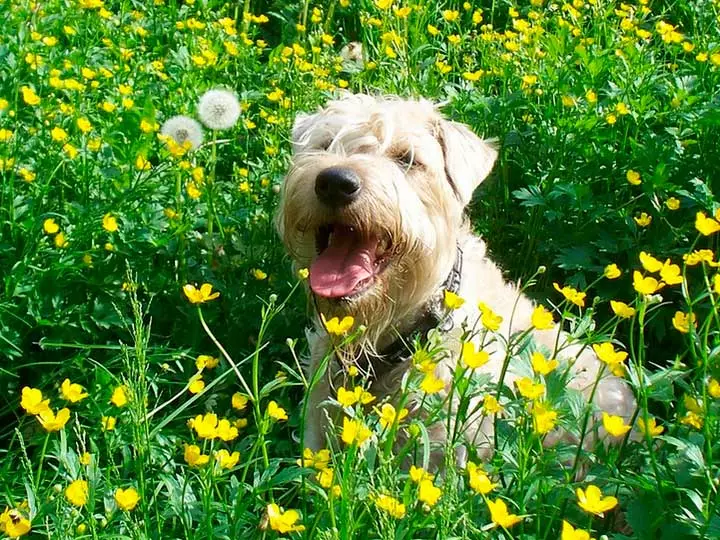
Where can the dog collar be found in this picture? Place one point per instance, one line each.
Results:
(435, 316)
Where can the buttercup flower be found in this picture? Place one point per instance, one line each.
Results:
(205, 361)
(646, 285)
(276, 412)
(388, 415)
(201, 295)
(13, 523)
(32, 401)
(72, 392)
(219, 109)
(612, 271)
(706, 225)
(127, 499)
(541, 365)
(428, 493)
(418, 474)
(544, 418)
(615, 425)
(182, 130)
(528, 389)
(109, 223)
(651, 429)
(682, 321)
(431, 384)
(354, 431)
(571, 295)
(119, 396)
(319, 460)
(226, 460)
(488, 318)
(633, 177)
(452, 300)
(390, 505)
(338, 327)
(50, 226)
(621, 309)
(54, 422)
(472, 358)
(541, 318)
(571, 533)
(194, 456)
(592, 501)
(479, 480)
(239, 401)
(499, 514)
(491, 405)
(283, 522)
(77, 492)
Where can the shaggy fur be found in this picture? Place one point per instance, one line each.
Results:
(418, 173)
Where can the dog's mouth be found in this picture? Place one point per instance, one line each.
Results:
(348, 260)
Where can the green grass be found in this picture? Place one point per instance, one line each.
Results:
(578, 95)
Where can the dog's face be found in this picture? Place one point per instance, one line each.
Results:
(374, 201)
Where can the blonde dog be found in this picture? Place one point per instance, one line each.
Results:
(374, 205)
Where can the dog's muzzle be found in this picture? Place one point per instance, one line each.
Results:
(337, 186)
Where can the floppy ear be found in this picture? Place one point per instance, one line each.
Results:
(468, 158)
(300, 130)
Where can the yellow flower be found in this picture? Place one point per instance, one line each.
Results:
(5, 135)
(418, 474)
(108, 423)
(276, 412)
(205, 361)
(541, 318)
(528, 389)
(29, 96)
(283, 522)
(428, 493)
(126, 499)
(670, 273)
(52, 422)
(452, 300)
(672, 203)
(325, 477)
(72, 392)
(633, 177)
(698, 256)
(646, 285)
(491, 405)
(621, 309)
(109, 223)
(60, 241)
(612, 271)
(337, 327)
(432, 30)
(431, 384)
(13, 523)
(77, 492)
(85, 458)
(716, 283)
(196, 384)
(58, 134)
(651, 429)
(714, 388)
(239, 401)
(258, 274)
(119, 397)
(194, 456)
(544, 418)
(542, 365)
(50, 226)
(622, 109)
(706, 225)
(607, 353)
(388, 415)
(499, 514)
(570, 533)
(142, 164)
(226, 460)
(84, 125)
(643, 220)
(32, 401)
(611, 119)
(319, 460)
(591, 500)
(692, 419)
(390, 505)
(303, 273)
(681, 321)
(571, 295)
(354, 431)
(489, 319)
(472, 358)
(225, 431)
(201, 295)
(615, 425)
(450, 15)
(479, 480)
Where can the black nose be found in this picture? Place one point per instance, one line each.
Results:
(337, 186)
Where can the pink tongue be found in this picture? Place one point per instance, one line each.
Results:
(347, 261)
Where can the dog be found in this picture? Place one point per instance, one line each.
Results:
(374, 205)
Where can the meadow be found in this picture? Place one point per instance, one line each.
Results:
(152, 328)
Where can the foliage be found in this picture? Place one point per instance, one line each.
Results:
(607, 116)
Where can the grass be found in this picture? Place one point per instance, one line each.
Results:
(608, 118)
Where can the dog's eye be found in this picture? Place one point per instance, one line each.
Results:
(408, 160)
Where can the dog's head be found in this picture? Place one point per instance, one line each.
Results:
(373, 203)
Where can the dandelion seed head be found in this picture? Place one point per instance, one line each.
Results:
(183, 128)
(219, 109)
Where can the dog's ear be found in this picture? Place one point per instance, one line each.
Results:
(468, 158)
(301, 130)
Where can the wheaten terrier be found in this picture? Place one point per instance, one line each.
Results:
(374, 206)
